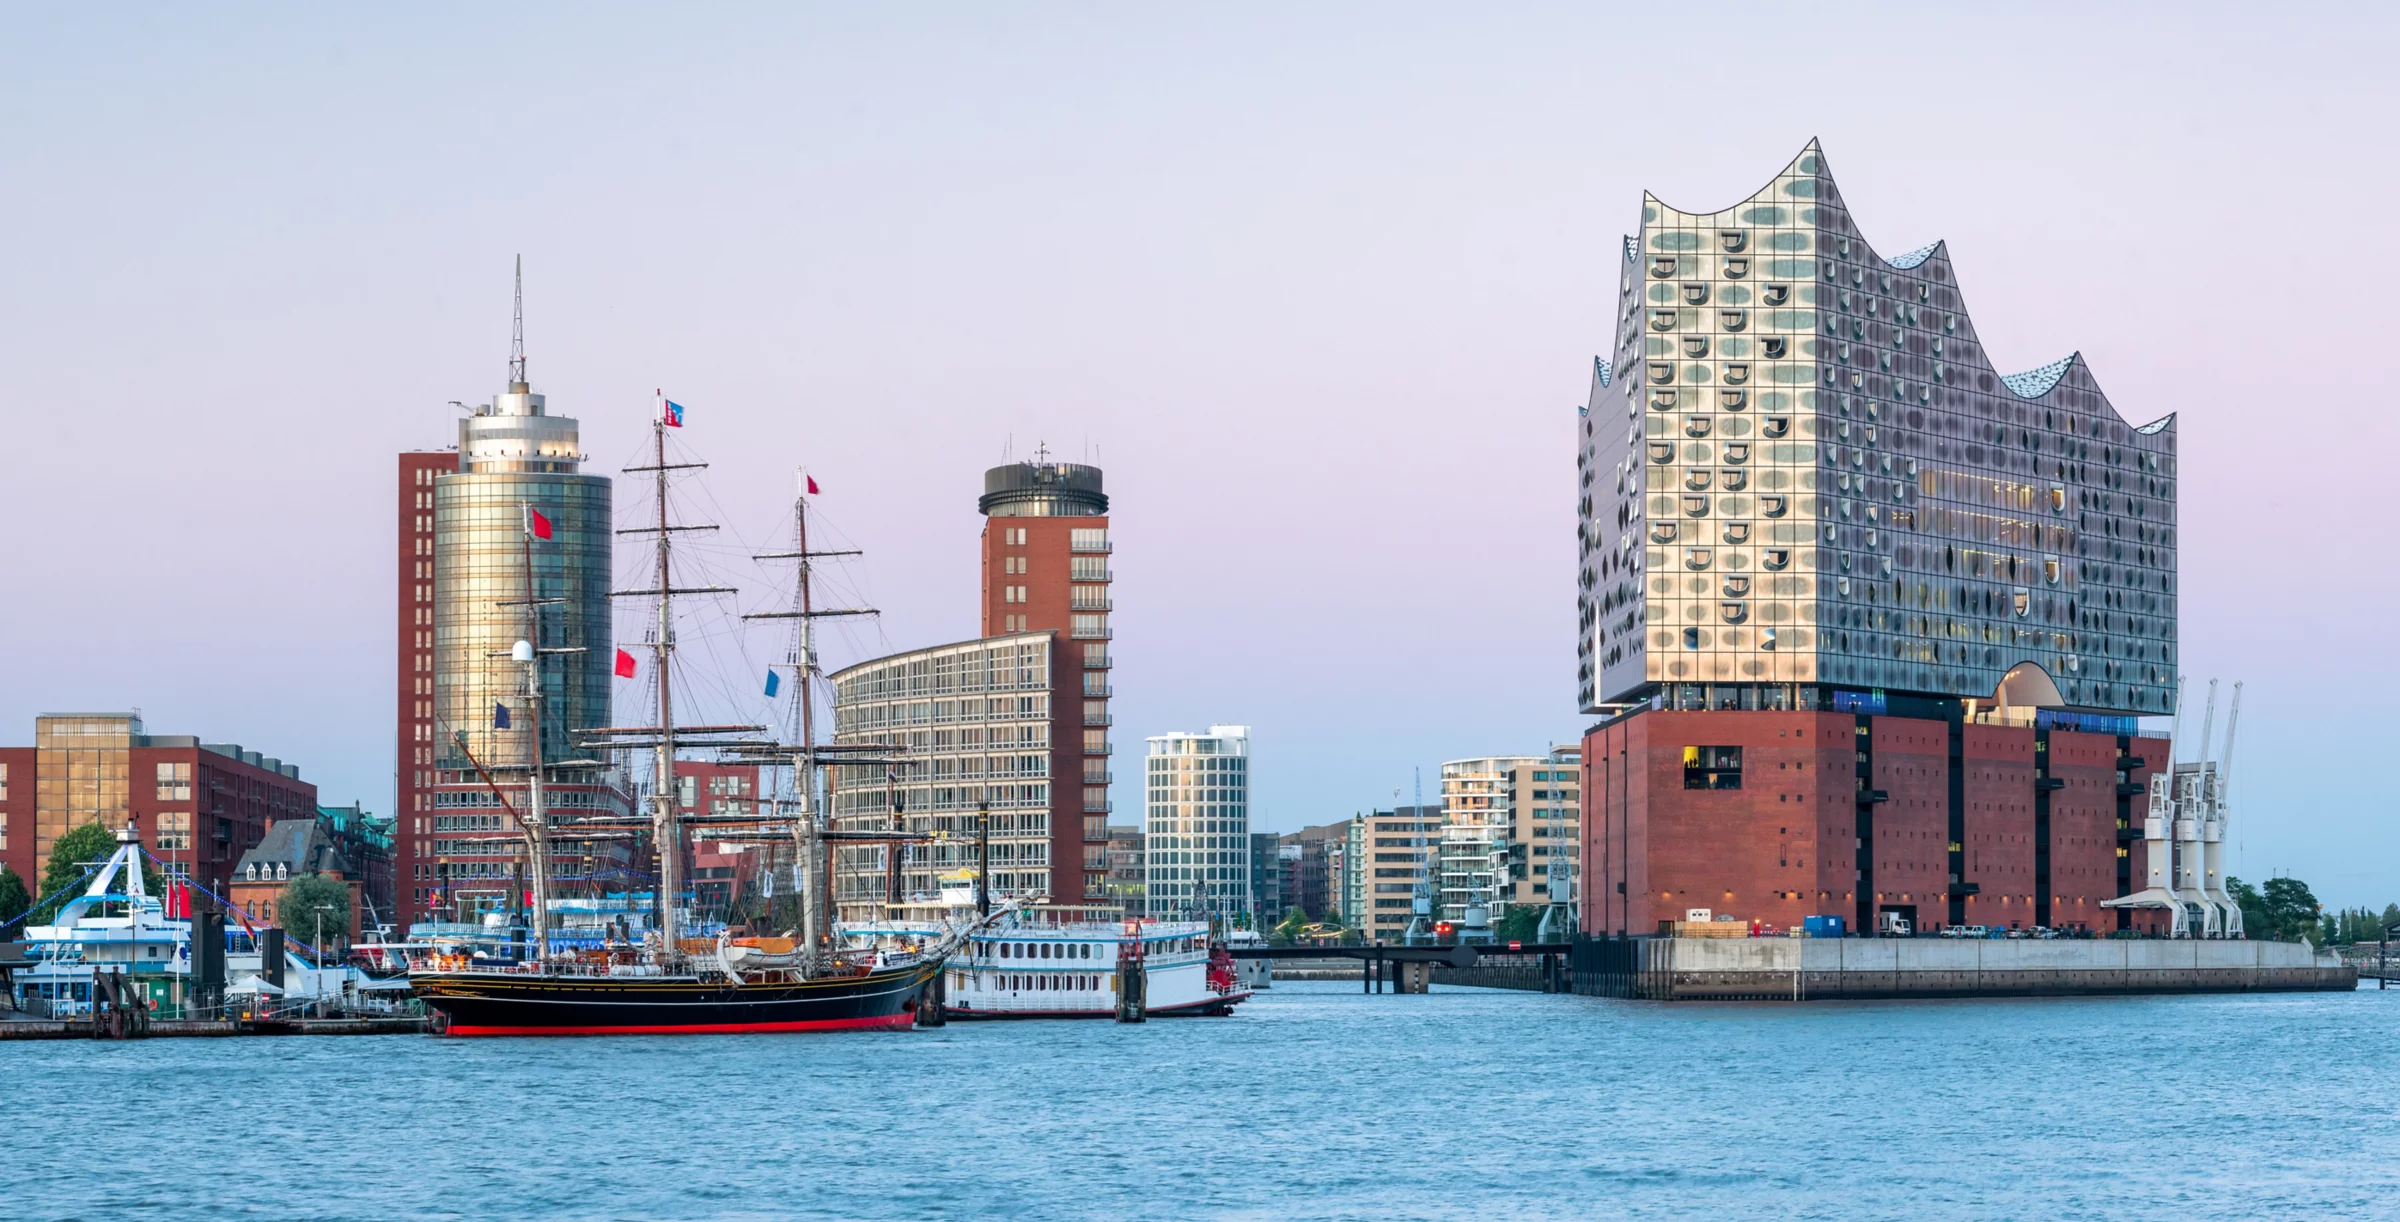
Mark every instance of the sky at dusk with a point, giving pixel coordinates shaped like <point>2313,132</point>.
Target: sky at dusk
<point>1318,286</point>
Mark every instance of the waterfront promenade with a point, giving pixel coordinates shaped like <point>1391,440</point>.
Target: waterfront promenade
<point>1313,1102</point>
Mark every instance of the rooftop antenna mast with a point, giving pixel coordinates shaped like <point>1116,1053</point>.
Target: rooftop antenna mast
<point>516,337</point>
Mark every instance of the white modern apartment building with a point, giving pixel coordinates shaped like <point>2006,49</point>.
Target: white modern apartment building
<point>1478,802</point>
<point>1196,823</point>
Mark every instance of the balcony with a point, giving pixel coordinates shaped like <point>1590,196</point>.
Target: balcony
<point>1088,548</point>
<point>1099,719</point>
<point>1098,663</point>
<point>1085,602</point>
<point>1096,573</point>
<point>1099,778</point>
<point>1098,806</point>
<point>1097,691</point>
<point>1099,749</point>
<point>1094,634</point>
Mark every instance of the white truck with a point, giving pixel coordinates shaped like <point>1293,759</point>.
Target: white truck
<point>1891,925</point>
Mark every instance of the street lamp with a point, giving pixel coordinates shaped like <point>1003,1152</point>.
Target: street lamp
<point>317,994</point>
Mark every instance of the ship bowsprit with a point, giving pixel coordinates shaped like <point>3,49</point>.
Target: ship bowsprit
<point>509,1003</point>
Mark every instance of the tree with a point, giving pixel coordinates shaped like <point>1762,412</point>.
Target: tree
<point>70,856</point>
<point>1521,923</point>
<point>1293,922</point>
<point>2291,908</point>
<point>296,908</point>
<point>13,898</point>
<point>2253,906</point>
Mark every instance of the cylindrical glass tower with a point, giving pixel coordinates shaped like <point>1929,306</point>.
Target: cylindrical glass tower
<point>512,455</point>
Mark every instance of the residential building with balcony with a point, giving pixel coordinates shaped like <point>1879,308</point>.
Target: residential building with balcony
<point>1045,555</point>
<point>1397,849</point>
<point>1196,823</point>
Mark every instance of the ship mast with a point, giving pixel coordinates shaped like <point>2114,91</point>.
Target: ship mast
<point>816,893</point>
<point>536,820</point>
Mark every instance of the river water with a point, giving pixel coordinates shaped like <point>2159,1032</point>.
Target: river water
<point>1313,1102</point>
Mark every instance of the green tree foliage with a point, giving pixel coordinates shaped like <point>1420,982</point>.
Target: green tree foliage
<point>2283,910</point>
<point>1293,922</point>
<point>14,899</point>
<point>296,908</point>
<point>70,856</point>
<point>1519,924</point>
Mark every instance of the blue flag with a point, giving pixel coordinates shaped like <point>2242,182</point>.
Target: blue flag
<point>774,682</point>
<point>499,716</point>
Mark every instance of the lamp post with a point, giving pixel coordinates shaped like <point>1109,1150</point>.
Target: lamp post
<point>317,993</point>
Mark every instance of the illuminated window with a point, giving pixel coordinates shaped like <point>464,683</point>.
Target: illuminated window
<point>1712,767</point>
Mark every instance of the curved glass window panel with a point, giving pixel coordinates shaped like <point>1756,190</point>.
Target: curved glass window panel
<point>1733,400</point>
<point>1774,506</point>
<point>1735,269</point>
<point>1697,558</point>
<point>1733,612</point>
<point>1775,559</point>
<point>1661,372</point>
<point>1737,374</point>
<point>1737,451</point>
<point>1695,292</point>
<point>1662,451</point>
<point>1734,480</point>
<point>1662,400</point>
<point>1696,479</point>
<point>1695,346</point>
<point>1662,267</point>
<point>1775,347</point>
<point>1733,320</point>
<point>1778,426</point>
<point>1695,507</point>
<point>1696,426</point>
<point>1737,587</point>
<point>1663,532</point>
<point>1776,294</point>
<point>1662,320</point>
<point>1733,241</point>
<point>1737,532</point>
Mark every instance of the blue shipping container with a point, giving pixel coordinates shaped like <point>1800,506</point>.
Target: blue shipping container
<point>1822,926</point>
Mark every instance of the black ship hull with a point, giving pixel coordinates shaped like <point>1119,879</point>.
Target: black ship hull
<point>499,1003</point>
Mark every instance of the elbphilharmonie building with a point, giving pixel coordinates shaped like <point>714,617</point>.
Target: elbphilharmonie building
<point>1868,624</point>
<point>1800,468</point>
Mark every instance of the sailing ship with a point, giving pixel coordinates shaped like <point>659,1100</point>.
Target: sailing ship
<point>668,983</point>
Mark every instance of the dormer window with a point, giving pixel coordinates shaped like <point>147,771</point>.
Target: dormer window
<point>250,872</point>
<point>1697,558</point>
<point>1775,559</point>
<point>1778,426</point>
<point>1774,506</point>
<point>1737,451</point>
<point>1662,320</point>
<point>1776,346</point>
<point>1695,346</point>
<point>282,871</point>
<point>1735,480</point>
<point>1662,266</point>
<point>1735,269</point>
<point>1733,400</point>
<point>1695,426</point>
<point>1733,320</point>
<point>1733,240</point>
<point>1735,375</point>
<point>1695,292</point>
<point>1776,294</point>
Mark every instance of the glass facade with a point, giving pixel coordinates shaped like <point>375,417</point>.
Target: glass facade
<point>82,774</point>
<point>1196,823</point>
<point>1798,467</point>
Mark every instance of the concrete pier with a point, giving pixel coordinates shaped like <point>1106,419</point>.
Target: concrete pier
<point>1804,969</point>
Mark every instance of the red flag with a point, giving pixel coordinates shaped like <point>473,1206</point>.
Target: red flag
<point>812,484</point>
<point>541,525</point>
<point>624,665</point>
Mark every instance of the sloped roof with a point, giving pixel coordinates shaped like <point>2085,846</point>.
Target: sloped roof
<point>300,846</point>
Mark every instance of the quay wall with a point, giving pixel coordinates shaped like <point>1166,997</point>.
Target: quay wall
<point>1802,969</point>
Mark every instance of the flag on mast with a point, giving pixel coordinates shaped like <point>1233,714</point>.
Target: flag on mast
<point>812,483</point>
<point>774,682</point>
<point>499,716</point>
<point>670,411</point>
<point>624,665</point>
<point>536,524</point>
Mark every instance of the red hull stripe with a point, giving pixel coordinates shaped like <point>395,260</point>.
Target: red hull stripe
<point>829,1024</point>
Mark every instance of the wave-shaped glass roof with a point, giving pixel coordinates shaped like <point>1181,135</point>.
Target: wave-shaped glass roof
<point>2034,383</point>
<point>1915,257</point>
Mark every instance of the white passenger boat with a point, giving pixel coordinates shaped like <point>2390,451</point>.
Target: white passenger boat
<point>1063,963</point>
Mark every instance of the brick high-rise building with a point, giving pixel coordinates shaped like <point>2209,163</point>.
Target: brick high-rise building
<point>1869,624</point>
<point>413,750</point>
<point>1046,568</point>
